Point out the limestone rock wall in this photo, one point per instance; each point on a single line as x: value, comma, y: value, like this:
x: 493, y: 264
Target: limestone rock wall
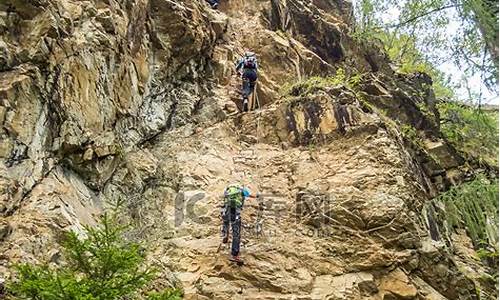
x: 82, y: 82
x: 105, y: 102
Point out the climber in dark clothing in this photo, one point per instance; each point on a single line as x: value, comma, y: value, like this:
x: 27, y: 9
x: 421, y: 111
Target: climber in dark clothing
x: 234, y: 198
x: 213, y: 3
x: 248, y: 65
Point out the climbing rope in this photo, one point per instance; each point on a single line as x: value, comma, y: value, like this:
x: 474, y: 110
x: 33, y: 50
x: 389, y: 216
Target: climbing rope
x: 257, y: 95
x: 258, y: 112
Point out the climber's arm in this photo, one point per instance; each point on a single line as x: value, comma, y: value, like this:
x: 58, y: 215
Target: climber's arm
x: 239, y: 65
x: 248, y: 194
x: 254, y: 196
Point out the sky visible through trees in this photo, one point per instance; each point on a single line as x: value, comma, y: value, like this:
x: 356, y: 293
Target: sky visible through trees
x: 454, y: 37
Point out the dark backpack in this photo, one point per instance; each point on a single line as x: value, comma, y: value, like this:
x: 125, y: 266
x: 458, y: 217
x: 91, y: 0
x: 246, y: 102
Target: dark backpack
x: 250, y: 62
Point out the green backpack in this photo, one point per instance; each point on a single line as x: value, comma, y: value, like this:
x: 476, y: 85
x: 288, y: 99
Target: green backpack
x: 233, y: 196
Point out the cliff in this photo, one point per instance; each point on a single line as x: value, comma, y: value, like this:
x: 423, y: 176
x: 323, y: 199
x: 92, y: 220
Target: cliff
x: 131, y: 104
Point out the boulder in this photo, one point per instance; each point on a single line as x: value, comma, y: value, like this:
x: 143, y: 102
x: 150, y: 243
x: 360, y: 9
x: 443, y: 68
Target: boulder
x: 397, y: 286
x: 443, y: 153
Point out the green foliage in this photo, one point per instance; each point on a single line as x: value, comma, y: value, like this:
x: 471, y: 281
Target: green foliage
x: 474, y: 206
x: 481, y: 20
x: 486, y: 254
x: 473, y: 131
x: 403, y: 51
x: 410, y: 133
x: 420, y: 35
x: 315, y: 83
x: 101, y: 266
x: 365, y: 105
x: 171, y: 294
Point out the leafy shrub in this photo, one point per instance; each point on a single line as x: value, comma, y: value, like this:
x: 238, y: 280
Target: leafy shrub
x: 101, y: 266
x: 411, y: 134
x: 315, y: 83
x: 486, y: 254
x: 474, y: 206
x: 402, y: 50
x: 472, y: 131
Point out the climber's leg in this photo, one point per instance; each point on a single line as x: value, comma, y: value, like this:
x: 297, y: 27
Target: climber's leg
x: 225, y: 225
x: 251, y: 87
x: 251, y: 76
x: 245, y: 92
x: 236, y: 227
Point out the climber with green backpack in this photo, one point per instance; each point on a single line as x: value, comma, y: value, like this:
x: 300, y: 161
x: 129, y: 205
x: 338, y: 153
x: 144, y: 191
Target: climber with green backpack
x: 234, y: 199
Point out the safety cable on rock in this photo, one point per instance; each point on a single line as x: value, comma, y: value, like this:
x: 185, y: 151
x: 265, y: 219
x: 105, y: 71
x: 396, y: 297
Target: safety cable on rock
x: 256, y: 95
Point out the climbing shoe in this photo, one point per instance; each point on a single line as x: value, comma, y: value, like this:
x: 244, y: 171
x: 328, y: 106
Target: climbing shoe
x: 225, y: 239
x: 215, y: 5
x: 236, y: 259
x: 245, y: 104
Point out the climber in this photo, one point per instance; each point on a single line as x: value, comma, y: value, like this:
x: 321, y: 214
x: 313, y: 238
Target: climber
x: 213, y: 3
x: 248, y: 65
x: 234, y: 198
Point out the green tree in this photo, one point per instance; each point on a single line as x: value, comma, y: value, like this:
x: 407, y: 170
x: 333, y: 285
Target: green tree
x: 461, y: 31
x: 484, y: 13
x: 101, y: 266
x: 403, y: 52
x: 472, y: 131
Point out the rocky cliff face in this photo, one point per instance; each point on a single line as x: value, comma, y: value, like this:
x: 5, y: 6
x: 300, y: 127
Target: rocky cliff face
x: 132, y: 103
